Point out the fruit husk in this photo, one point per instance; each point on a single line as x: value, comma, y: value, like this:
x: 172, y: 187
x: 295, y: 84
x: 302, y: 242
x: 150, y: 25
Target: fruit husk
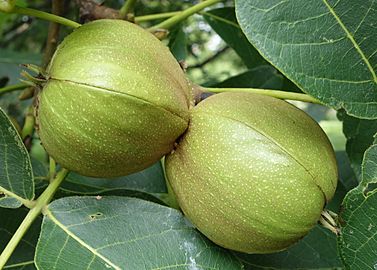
x: 252, y: 172
x: 114, y: 102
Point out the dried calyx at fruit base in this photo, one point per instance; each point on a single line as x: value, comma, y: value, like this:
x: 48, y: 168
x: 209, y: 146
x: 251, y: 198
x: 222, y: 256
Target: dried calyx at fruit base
x: 252, y: 172
x: 114, y: 101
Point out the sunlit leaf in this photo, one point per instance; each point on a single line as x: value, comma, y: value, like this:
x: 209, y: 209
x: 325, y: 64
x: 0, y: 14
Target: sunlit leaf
x: 328, y: 48
x: 123, y: 233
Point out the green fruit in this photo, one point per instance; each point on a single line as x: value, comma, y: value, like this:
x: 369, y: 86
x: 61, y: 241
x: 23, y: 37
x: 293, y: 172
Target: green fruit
x: 115, y: 100
x: 253, y: 173
x: 7, y: 5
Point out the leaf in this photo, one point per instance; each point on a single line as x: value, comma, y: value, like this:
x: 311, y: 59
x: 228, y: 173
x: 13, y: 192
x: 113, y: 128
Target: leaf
x: 123, y: 233
x: 316, y: 251
x: 359, y: 134
x: 23, y: 256
x: 347, y: 181
x: 10, y: 69
x: 326, y: 47
x: 150, y: 180
x: 15, y: 57
x: 10, y: 62
x: 148, y: 184
x: 41, y: 181
x: 16, y: 176
x: 40, y: 169
x: 9, y: 202
x: 259, y: 77
x: 358, y: 239
x: 177, y: 43
x: 224, y: 22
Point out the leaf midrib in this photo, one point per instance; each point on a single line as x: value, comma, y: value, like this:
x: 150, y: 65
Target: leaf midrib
x: 80, y: 241
x: 351, y: 38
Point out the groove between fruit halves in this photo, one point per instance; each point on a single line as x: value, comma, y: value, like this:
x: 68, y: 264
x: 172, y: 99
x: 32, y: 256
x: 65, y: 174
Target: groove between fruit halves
x: 280, y: 122
x: 127, y: 95
x: 274, y: 142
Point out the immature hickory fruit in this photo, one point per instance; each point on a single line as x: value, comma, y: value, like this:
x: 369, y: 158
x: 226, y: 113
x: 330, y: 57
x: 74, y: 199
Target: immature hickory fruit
x: 115, y: 100
x: 253, y: 173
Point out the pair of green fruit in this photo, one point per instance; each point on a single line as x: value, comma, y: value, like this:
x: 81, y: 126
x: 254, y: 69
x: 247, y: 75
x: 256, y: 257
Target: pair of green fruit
x: 252, y: 172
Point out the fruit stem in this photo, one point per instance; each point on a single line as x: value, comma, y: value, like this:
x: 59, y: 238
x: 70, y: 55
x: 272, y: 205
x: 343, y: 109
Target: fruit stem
x: 183, y: 15
x: 45, y: 16
x: 14, y: 87
x: 267, y: 92
x: 152, y: 17
x: 127, y: 8
x: 34, y: 212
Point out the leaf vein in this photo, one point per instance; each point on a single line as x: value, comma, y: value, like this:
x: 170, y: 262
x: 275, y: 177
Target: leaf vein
x: 352, y: 39
x: 80, y: 241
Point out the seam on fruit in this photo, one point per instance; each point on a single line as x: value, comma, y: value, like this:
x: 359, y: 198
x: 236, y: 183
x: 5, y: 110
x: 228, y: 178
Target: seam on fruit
x: 273, y: 141
x: 97, y: 88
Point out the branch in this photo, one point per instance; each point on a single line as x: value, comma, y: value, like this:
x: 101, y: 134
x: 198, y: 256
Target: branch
x: 53, y: 32
x: 127, y: 8
x: 183, y: 15
x: 213, y: 57
x: 90, y: 11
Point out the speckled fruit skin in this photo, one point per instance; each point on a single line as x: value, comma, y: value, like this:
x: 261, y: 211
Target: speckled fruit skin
x: 253, y: 173
x: 115, y: 100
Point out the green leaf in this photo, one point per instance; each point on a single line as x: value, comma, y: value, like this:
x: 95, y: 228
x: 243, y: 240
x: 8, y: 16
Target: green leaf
x: 40, y: 169
x: 316, y: 251
x: 123, y: 233
x: 10, y: 62
x: 9, y: 202
x: 347, y: 181
x: 14, y: 57
x: 150, y: 180
x: 16, y: 176
x: 359, y: 134
x: 41, y: 181
x: 10, y: 69
x: 259, y: 77
x: 326, y: 47
x: 178, y: 43
x: 224, y: 22
x: 23, y: 256
x: 358, y: 239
